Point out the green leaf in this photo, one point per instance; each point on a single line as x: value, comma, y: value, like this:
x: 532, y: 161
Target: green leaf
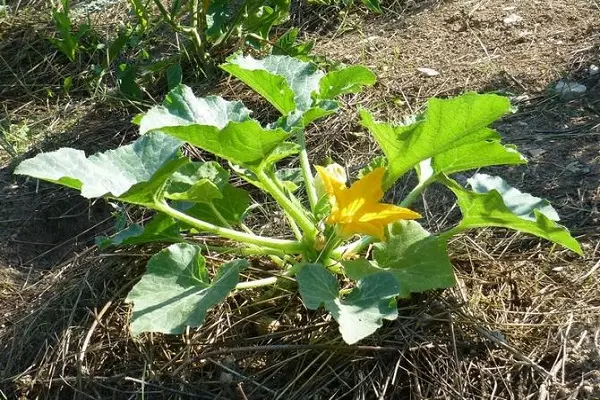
x: 181, y: 107
x: 260, y: 16
x: 245, y: 143
x: 285, y: 82
x: 447, y: 124
x: 317, y: 286
x: 476, y: 155
x: 286, y: 41
x: 161, y: 228
x: 365, y: 308
x: 297, y: 89
x: 346, y: 80
x: 116, y: 47
x: 197, y: 182
x: 291, y: 178
x: 252, y: 17
x: 494, y: 203
x: 372, y: 5
x: 128, y: 87
x: 113, y: 172
x: 286, y: 45
x: 148, y: 193
x: 376, y: 162
x: 284, y: 150
x: 362, y: 312
x: 233, y: 207
x: 175, y: 292
x: 417, y: 259
x: 174, y: 76
x: 213, y: 124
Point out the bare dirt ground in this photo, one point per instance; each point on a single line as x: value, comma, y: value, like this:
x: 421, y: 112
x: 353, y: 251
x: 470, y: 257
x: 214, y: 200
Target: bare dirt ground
x: 523, y: 322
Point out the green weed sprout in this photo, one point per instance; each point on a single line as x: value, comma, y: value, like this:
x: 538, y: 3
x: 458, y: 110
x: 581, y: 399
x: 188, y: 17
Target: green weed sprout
x: 330, y: 225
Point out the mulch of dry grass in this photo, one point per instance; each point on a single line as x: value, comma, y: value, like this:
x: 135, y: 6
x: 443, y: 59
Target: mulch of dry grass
x: 522, y: 322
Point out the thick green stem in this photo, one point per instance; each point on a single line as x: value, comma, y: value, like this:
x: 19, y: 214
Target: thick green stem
x: 291, y: 221
x: 352, y: 248
x: 243, y: 251
x: 257, y: 283
x: 287, y: 246
x: 309, y: 180
x: 298, y: 213
x: 290, y: 272
x: 332, y: 243
x: 417, y: 190
x: 451, y: 232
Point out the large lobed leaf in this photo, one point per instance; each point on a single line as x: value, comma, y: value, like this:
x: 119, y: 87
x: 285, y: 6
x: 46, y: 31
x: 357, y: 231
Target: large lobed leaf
x: 285, y: 82
x: 493, y: 202
x: 113, y: 172
x: 297, y: 89
x: 418, y: 260
x: 216, y: 125
x: 362, y: 312
x: 452, y: 132
x: 176, y: 292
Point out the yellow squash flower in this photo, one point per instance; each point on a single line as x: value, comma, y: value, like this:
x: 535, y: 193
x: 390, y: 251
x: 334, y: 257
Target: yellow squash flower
x: 358, y: 209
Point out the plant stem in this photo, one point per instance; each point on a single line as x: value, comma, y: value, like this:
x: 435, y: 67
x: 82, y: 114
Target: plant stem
x: 451, y: 232
x: 417, y: 190
x: 352, y: 248
x: 257, y: 283
x: 244, y: 251
x: 309, y: 180
x: 268, y: 281
x: 297, y: 212
x: 291, y: 221
x: 287, y: 246
x: 220, y: 217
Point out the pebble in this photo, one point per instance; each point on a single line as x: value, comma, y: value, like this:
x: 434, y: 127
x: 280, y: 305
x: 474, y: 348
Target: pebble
x: 569, y: 90
x: 593, y: 70
x: 428, y: 71
x: 513, y: 19
x: 536, y: 152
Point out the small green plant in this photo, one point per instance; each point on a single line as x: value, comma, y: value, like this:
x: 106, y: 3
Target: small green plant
x: 372, y: 5
x: 70, y: 36
x: 14, y: 138
x: 330, y: 227
x: 209, y: 24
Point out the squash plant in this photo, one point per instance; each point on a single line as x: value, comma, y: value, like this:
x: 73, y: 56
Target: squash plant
x: 330, y: 225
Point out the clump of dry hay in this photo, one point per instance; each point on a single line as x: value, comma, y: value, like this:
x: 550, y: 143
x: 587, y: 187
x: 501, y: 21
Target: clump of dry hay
x: 521, y: 321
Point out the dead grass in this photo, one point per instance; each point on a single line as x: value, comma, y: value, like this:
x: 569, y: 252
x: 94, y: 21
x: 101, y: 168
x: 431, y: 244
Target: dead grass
x: 522, y: 323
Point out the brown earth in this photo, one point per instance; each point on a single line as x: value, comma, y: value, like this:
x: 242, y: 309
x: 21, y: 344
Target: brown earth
x: 523, y: 322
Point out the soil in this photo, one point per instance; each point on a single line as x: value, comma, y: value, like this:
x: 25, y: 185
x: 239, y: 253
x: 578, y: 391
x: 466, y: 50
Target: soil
x: 521, y: 323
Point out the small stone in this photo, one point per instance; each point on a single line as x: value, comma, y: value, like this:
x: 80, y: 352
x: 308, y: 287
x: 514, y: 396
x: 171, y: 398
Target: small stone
x: 226, y: 377
x: 428, y: 71
x: 587, y: 390
x: 513, y: 19
x: 536, y: 152
x: 520, y: 98
x: 569, y: 90
x: 593, y: 70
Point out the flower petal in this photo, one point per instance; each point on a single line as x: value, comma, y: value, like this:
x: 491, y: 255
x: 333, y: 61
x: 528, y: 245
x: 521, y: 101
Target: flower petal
x: 330, y: 181
x: 369, y: 186
x: 365, y: 228
x: 387, y: 213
